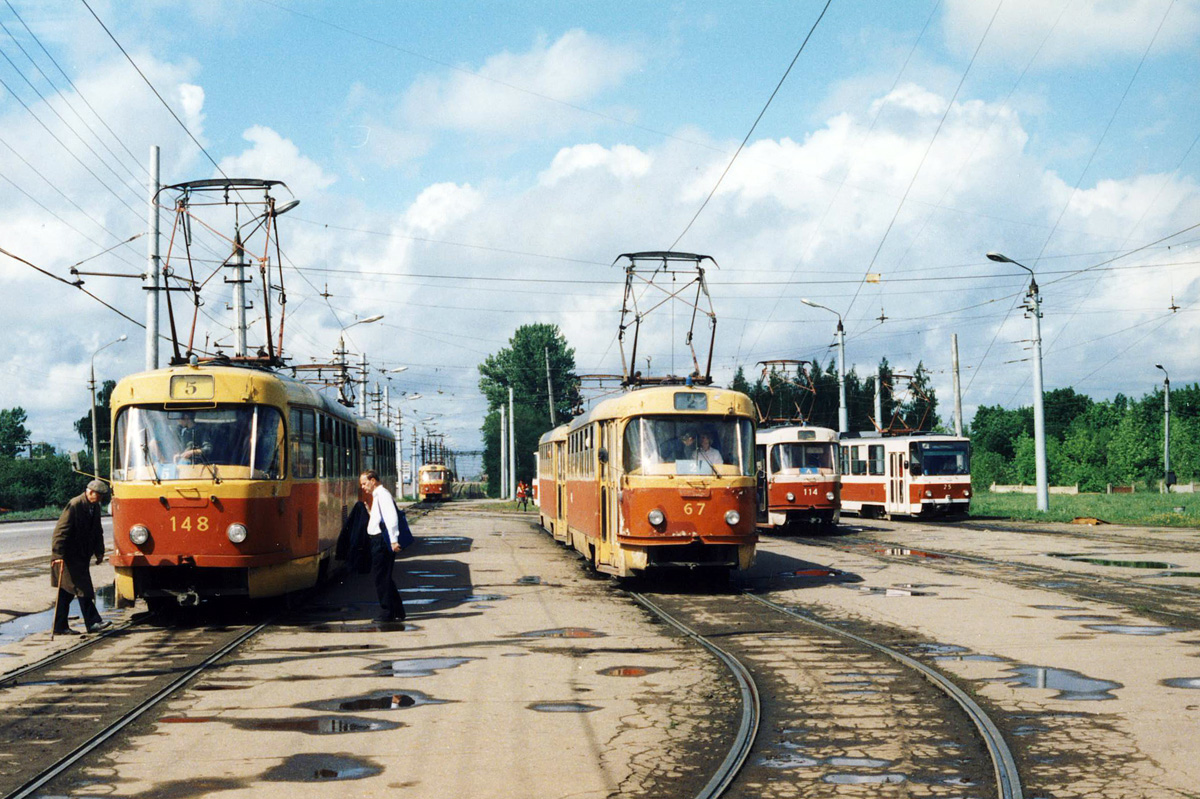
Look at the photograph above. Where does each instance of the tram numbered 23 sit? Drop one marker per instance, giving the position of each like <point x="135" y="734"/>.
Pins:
<point x="232" y="480"/>
<point x="623" y="486"/>
<point x="906" y="475"/>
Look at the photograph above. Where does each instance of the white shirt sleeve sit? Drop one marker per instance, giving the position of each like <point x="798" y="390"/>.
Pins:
<point x="387" y="512"/>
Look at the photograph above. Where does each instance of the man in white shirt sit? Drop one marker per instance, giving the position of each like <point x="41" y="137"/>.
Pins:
<point x="383" y="529"/>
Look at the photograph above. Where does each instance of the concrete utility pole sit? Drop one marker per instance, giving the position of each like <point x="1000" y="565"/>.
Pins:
<point x="1168" y="478"/>
<point x="512" y="445"/>
<point x="153" y="268"/>
<point x="843" y="412"/>
<point x="878" y="399"/>
<point x="550" y="390"/>
<point x="1039" y="411"/>
<point x="503" y="452"/>
<point x="958" y="423"/>
<point x="362" y="393"/>
<point x="239" y="295"/>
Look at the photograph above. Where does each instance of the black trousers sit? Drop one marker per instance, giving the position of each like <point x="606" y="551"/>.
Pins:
<point x="87" y="608"/>
<point x="382" y="561"/>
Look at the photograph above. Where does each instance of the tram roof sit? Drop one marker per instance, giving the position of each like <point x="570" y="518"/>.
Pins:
<point x="231" y="384"/>
<point x="661" y="400"/>
<point x="794" y="432"/>
<point x="557" y="434"/>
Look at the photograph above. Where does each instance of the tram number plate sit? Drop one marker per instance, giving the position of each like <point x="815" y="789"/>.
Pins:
<point x="189" y="523"/>
<point x="191" y="387"/>
<point x="694" y="508"/>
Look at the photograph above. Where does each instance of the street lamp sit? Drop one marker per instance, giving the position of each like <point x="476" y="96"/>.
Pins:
<point x="1168" y="476"/>
<point x="92" y="386"/>
<point x="1039" y="412"/>
<point x="341" y="355"/>
<point x="843" y="416"/>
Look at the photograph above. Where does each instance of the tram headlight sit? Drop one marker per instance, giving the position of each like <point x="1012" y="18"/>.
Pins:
<point x="732" y="517"/>
<point x="829" y="495"/>
<point x="928" y="493"/>
<point x="656" y="517"/>
<point x="236" y="532"/>
<point x="139" y="534"/>
<point x="791" y="497"/>
<point x="967" y="493"/>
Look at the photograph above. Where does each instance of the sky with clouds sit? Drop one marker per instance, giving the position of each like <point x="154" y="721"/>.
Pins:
<point x="464" y="168"/>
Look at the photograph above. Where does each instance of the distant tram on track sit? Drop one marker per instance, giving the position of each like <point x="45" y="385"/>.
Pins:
<point x="232" y="481"/>
<point x="801" y="483"/>
<point x="656" y="478"/>
<point x="905" y="475"/>
<point x="435" y="482"/>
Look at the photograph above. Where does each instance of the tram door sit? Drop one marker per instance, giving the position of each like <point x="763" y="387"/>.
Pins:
<point x="760" y="471"/>
<point x="560" y="488"/>
<point x="896" y="500"/>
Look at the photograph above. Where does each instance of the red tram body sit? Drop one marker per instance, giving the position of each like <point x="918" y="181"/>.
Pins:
<point x="802" y="483"/>
<point x="232" y="481"/>
<point x="618" y="485"/>
<point x="908" y="475"/>
<point x="435" y="482"/>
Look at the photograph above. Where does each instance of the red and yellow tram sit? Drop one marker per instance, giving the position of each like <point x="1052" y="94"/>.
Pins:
<point x="232" y="481"/>
<point x="801" y="477"/>
<point x="906" y="475"/>
<point x="657" y="478"/>
<point x="434" y="482"/>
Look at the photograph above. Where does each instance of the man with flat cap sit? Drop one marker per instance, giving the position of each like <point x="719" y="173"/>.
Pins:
<point x="78" y="538"/>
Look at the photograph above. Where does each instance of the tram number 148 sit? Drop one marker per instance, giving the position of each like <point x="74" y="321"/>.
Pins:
<point x="186" y="524"/>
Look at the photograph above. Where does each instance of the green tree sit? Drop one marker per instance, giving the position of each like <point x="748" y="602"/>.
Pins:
<point x="13" y="433"/>
<point x="83" y="426"/>
<point x="522" y="366"/>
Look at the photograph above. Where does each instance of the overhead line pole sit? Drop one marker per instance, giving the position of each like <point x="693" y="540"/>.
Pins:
<point x="154" y="267"/>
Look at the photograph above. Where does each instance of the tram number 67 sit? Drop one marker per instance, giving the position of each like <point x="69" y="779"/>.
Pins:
<point x="186" y="524"/>
<point x="693" y="508"/>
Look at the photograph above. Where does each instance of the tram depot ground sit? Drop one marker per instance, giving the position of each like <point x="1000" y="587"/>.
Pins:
<point x="529" y="676"/>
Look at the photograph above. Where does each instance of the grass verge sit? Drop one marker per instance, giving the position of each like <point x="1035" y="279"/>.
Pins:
<point x="1148" y="509"/>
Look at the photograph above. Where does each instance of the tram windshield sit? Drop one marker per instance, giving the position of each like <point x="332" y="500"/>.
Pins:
<point x="708" y="445"/>
<point x="225" y="442"/>
<point x="803" y="458"/>
<point x="939" y="458"/>
<point x="433" y="476"/>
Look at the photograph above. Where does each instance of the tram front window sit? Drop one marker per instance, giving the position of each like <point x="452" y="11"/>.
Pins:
<point x="704" y="445"/>
<point x="802" y="458"/>
<point x="235" y="442"/>
<point x="940" y="458"/>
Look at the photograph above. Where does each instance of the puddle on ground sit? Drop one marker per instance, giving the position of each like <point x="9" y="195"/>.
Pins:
<point x="321" y="768"/>
<point x="789" y="761"/>
<point x="316" y="725"/>
<point x="21" y="627"/>
<point x="627" y="671"/>
<point x="913" y="553"/>
<point x="562" y="707"/>
<point x="529" y="579"/>
<point x="1071" y="685"/>
<point x="893" y="591"/>
<point x="1182" y="682"/>
<point x="1055" y="607"/>
<point x="1133" y="629"/>
<point x="1088" y="617"/>
<point x="864" y="779"/>
<point x="484" y="598"/>
<point x="1055" y="584"/>
<point x="1105" y="561"/>
<point x="420" y="667"/>
<point x="813" y="573"/>
<point x="378" y="700"/>
<point x="321" y="649"/>
<point x="563" y="632"/>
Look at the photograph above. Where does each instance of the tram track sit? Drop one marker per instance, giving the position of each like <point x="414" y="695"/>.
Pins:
<point x="1180" y="605"/>
<point x="61" y="709"/>
<point x="835" y="704"/>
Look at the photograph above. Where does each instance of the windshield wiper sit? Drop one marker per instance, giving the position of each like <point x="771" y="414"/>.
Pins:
<point x="148" y="459"/>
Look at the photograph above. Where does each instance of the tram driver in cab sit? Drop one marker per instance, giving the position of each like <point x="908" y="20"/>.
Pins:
<point x="195" y="444"/>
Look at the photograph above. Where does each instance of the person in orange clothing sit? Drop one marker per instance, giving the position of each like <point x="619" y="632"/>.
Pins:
<point x="522" y="496"/>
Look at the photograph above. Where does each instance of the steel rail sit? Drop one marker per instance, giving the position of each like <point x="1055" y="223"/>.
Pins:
<point x="1008" y="779"/>
<point x="11" y="676"/>
<point x="36" y="783"/>
<point x="751" y="712"/>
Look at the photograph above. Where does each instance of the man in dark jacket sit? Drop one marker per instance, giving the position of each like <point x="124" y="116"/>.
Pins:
<point x="77" y="538"/>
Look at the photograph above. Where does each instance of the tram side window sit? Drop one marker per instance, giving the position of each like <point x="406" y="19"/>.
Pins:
<point x="857" y="464"/>
<point x="368" y="452"/>
<point x="304" y="442"/>
<point x="876" y="458"/>
<point x="268" y="444"/>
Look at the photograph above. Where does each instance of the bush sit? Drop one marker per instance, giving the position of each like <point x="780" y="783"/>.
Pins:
<point x="42" y="482"/>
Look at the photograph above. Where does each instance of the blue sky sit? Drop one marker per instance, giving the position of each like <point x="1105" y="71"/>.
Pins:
<point x="434" y="145"/>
